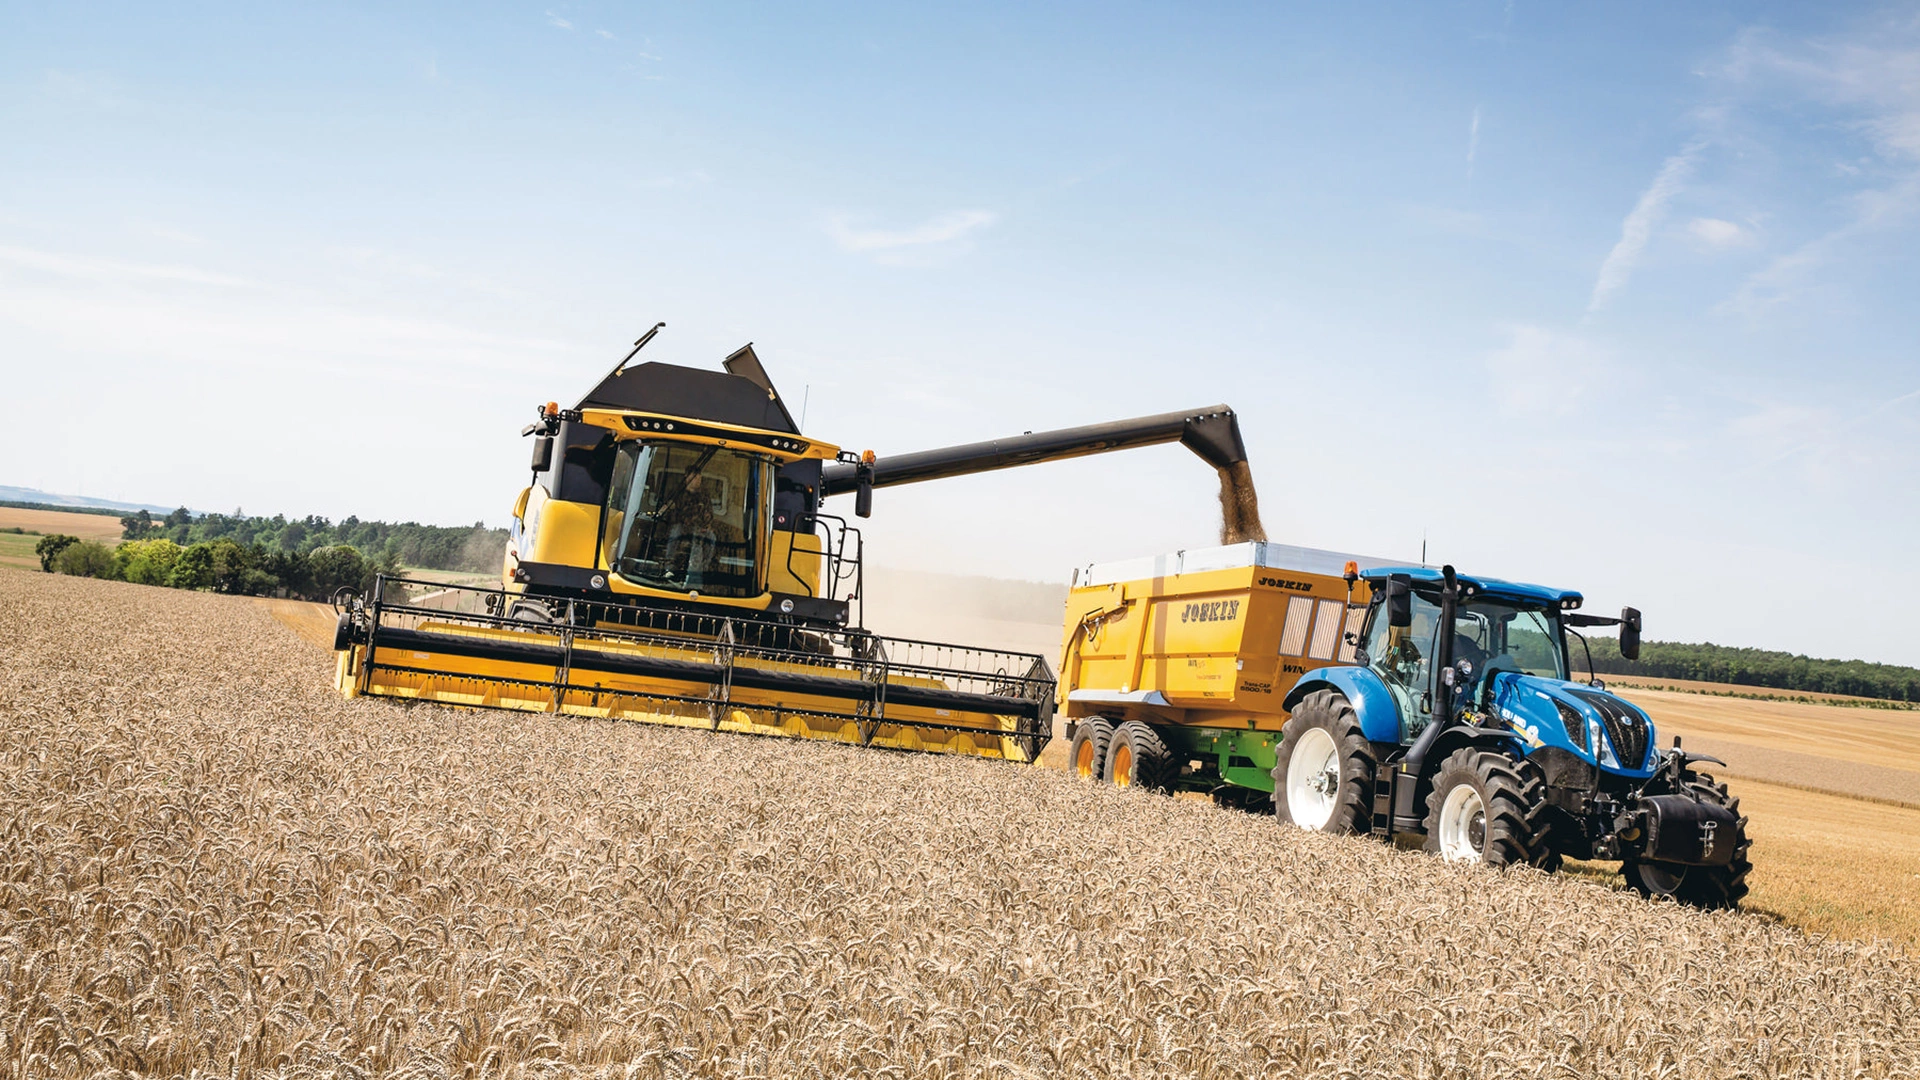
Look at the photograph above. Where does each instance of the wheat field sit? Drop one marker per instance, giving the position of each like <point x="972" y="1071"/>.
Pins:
<point x="212" y="865"/>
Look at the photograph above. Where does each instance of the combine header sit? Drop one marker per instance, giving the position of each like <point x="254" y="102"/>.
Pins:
<point x="671" y="562"/>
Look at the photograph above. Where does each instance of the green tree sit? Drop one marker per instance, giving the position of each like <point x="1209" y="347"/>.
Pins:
<point x="193" y="569"/>
<point x="50" y="547"/>
<point x="137" y="526"/>
<point x="147" y="562"/>
<point x="333" y="568"/>
<point x="85" y="559"/>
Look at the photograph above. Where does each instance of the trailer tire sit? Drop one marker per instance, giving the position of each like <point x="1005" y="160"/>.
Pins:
<point x="1490" y="808"/>
<point x="1087" y="753"/>
<point x="1138" y="758"/>
<point x="1323" y="739"/>
<point x="1709" y="887"/>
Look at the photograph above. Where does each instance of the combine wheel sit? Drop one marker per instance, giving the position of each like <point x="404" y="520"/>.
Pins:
<point x="530" y="611"/>
<point x="1487" y="807"/>
<point x="1710" y="887"/>
<point x="1138" y="758"/>
<point x="1087" y="753"/>
<point x="1324" y="778"/>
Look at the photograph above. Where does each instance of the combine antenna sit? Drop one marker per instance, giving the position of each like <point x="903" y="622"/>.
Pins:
<point x="1423" y="547"/>
<point x="637" y="346"/>
<point x="806" y="395"/>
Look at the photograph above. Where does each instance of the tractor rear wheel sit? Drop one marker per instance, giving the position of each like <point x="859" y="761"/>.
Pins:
<point x="1138" y="757"/>
<point x="1487" y="807"/>
<point x="1324" y="777"/>
<point x="1710" y="887"/>
<point x="1087" y="753"/>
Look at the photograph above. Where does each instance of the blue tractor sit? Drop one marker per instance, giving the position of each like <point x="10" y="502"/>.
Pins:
<point x="1460" y="728"/>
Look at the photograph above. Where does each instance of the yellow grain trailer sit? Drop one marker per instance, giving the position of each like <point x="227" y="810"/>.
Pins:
<point x="1175" y="667"/>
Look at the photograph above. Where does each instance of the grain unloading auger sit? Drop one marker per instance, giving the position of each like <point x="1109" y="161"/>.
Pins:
<point x="671" y="562"/>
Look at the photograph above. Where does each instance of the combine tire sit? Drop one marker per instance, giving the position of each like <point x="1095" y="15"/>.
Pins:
<point x="1710" y="887"/>
<point x="1324" y="778"/>
<point x="1489" y="808"/>
<point x="531" y="611"/>
<point x="1087" y="753"/>
<point x="1138" y="757"/>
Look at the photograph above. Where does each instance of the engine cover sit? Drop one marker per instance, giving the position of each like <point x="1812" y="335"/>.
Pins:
<point x="1687" y="831"/>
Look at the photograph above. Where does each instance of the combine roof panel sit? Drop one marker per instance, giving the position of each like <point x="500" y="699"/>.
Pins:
<point x="672" y="390"/>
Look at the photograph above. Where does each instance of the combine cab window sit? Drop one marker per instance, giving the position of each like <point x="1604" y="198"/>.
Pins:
<point x="688" y="518"/>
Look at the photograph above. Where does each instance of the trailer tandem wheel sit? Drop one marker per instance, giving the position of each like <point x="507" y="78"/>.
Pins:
<point x="1138" y="757"/>
<point x="1087" y="753"/>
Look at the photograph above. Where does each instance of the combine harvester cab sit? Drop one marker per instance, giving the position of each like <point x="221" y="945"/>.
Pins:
<point x="671" y="562"/>
<point x="1321" y="685"/>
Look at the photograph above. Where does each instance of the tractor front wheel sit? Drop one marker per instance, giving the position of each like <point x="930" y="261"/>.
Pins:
<point x="1488" y="807"/>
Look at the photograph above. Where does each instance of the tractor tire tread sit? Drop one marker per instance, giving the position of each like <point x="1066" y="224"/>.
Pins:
<point x="1514" y="794"/>
<point x="1333" y="712"/>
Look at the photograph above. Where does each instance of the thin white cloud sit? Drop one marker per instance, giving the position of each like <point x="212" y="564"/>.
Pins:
<point x="1473" y="140"/>
<point x="1543" y="372"/>
<point x="943" y="229"/>
<point x="1873" y="80"/>
<point x="608" y="34"/>
<point x="106" y="270"/>
<point x="557" y="21"/>
<point x="1638" y="226"/>
<point x="1718" y="233"/>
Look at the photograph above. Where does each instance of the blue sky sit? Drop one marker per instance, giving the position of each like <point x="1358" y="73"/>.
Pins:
<point x="1615" y="298"/>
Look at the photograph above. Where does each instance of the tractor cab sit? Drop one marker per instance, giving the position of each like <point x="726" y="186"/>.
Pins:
<point x="1496" y="626"/>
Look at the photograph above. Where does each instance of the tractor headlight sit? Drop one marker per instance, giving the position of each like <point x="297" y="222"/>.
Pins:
<point x="1576" y="726"/>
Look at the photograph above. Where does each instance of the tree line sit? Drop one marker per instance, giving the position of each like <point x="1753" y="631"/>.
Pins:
<point x="472" y="548"/>
<point x="306" y="558"/>
<point x="1755" y="667"/>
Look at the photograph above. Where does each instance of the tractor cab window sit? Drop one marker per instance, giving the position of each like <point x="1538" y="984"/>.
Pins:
<point x="1402" y="657"/>
<point x="688" y="518"/>
<point x="1503" y="636"/>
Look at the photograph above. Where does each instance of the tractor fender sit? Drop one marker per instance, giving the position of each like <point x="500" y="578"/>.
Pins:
<point x="1372" y="703"/>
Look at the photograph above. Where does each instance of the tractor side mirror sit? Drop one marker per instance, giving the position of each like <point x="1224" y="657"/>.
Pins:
<point x="1399" y="602"/>
<point x="1630" y="633"/>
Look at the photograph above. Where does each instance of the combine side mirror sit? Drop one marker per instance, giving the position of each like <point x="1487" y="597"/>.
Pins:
<point x="863" y="485"/>
<point x="1399" y="601"/>
<point x="1630" y="633"/>
<point x="863" y="495"/>
<point x="542" y="453"/>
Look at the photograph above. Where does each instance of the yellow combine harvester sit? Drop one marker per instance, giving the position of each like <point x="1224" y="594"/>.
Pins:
<point x="671" y="562"/>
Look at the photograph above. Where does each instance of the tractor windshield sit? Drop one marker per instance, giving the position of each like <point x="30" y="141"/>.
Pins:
<point x="1498" y="635"/>
<point x="1493" y="636"/>
<point x="688" y="518"/>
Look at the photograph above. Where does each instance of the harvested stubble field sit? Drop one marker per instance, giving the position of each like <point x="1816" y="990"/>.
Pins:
<point x="212" y="865"/>
<point x="16" y="549"/>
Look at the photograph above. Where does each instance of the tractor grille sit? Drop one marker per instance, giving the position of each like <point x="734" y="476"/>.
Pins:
<point x="1626" y="728"/>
